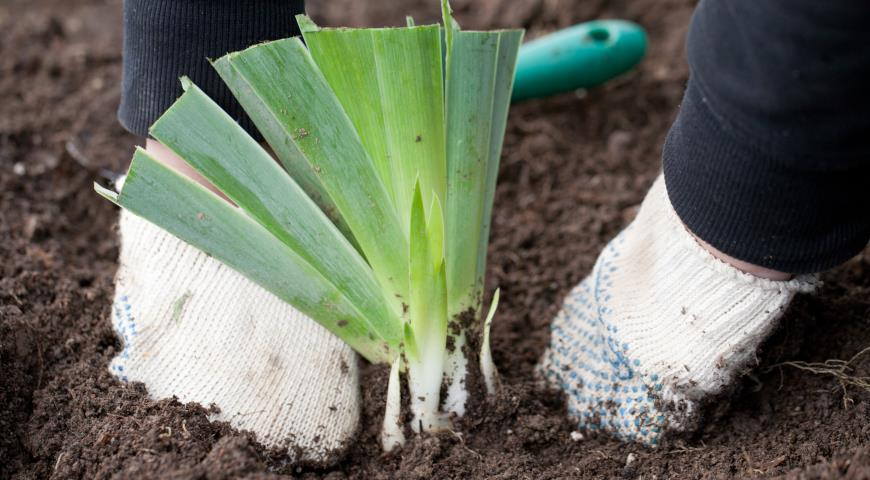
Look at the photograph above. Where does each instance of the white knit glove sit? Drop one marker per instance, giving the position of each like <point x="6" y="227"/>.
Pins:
<point x="198" y="330"/>
<point x="658" y="326"/>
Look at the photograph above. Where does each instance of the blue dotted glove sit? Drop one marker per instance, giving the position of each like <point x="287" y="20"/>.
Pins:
<point x="656" y="327"/>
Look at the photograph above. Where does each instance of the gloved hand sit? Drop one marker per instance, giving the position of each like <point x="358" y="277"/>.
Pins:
<point x="196" y="329"/>
<point x="658" y="326"/>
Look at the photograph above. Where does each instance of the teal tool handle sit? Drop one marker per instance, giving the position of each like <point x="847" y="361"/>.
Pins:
<point x="581" y="56"/>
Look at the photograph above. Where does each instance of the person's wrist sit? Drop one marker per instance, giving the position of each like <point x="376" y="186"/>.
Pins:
<point x="164" y="155"/>
<point x="741" y="265"/>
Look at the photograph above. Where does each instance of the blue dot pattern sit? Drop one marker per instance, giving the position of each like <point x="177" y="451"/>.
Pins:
<point x="125" y="327"/>
<point x="607" y="390"/>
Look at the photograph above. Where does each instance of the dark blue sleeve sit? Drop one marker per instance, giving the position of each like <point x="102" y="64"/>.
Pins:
<point x="165" y="39"/>
<point x="769" y="157"/>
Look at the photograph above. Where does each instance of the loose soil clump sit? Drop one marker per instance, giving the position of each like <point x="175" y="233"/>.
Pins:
<point x="573" y="171"/>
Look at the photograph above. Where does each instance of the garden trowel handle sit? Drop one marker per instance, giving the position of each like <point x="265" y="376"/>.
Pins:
<point x="581" y="56"/>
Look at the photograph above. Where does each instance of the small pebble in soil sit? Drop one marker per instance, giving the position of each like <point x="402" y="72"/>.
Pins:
<point x="631" y="458"/>
<point x="576" y="436"/>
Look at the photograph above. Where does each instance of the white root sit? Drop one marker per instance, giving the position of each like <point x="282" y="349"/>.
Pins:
<point x="487" y="366"/>
<point x="424" y="382"/>
<point x="391" y="433"/>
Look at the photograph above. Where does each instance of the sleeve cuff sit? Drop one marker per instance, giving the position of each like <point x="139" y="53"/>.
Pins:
<point x="165" y="39"/>
<point x="753" y="205"/>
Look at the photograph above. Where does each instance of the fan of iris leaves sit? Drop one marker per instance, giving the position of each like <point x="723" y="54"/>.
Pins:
<point x="375" y="223"/>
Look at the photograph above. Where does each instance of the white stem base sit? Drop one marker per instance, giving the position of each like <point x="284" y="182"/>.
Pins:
<point x="455" y="371"/>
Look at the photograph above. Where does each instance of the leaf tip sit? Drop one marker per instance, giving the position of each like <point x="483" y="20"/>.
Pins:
<point x="220" y="62"/>
<point x="410" y="341"/>
<point x="106" y="193"/>
<point x="186" y="82"/>
<point x="450" y="23"/>
<point x="306" y="24"/>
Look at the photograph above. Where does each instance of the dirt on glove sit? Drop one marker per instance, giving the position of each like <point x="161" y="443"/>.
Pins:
<point x="574" y="168"/>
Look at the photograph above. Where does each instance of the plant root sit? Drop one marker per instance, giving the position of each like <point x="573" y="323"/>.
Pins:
<point x="842" y="370"/>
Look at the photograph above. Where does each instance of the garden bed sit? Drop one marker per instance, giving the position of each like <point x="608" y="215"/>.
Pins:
<point x="574" y="168"/>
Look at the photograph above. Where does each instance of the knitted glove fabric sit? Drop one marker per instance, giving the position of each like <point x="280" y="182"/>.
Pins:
<point x="196" y="329"/>
<point x="658" y="326"/>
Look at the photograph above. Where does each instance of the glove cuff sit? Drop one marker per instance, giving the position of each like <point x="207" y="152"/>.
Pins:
<point x="693" y="321"/>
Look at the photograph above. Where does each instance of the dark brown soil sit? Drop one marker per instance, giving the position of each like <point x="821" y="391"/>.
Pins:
<point x="573" y="169"/>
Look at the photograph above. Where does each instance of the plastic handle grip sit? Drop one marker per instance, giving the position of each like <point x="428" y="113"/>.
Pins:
<point x="581" y="56"/>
